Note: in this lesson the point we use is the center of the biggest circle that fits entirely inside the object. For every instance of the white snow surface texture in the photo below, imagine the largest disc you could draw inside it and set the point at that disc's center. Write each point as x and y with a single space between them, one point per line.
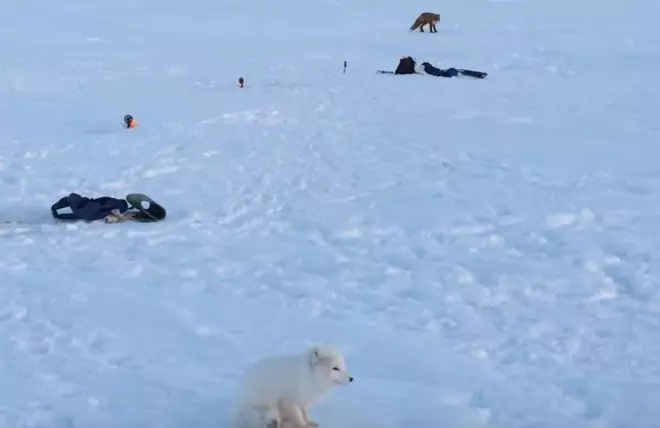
485 252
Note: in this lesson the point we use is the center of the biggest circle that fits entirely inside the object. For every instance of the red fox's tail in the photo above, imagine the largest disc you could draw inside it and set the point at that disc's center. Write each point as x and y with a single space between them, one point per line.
416 24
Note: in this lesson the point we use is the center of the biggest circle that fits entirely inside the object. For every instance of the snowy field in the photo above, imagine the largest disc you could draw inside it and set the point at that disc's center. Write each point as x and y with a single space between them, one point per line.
485 252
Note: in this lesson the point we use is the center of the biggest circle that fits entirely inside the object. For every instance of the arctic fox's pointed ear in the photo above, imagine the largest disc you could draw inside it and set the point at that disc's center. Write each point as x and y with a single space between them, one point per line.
314 355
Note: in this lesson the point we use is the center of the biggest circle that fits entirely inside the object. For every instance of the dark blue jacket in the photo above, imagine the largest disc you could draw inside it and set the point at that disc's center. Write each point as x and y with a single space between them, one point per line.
87 208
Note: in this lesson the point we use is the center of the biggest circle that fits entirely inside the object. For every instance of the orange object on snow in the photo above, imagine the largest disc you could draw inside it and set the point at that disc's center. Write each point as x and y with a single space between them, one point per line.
130 121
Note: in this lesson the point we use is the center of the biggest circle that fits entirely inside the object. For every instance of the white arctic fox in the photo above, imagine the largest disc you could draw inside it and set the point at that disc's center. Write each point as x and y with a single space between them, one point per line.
277 391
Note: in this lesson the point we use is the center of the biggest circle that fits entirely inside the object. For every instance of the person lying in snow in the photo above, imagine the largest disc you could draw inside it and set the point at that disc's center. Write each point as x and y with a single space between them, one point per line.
407 65
112 210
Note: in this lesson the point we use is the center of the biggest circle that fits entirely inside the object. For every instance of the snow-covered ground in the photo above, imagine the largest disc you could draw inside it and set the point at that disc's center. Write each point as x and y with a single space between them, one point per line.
486 252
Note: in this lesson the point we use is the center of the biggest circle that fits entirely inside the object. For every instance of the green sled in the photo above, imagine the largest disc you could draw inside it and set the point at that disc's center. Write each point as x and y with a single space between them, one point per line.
154 212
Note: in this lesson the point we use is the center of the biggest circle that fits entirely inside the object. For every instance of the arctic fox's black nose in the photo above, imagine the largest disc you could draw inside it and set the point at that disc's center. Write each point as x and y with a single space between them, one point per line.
350 379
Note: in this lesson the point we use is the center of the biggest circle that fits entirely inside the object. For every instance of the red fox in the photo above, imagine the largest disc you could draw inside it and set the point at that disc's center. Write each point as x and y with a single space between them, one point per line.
426 18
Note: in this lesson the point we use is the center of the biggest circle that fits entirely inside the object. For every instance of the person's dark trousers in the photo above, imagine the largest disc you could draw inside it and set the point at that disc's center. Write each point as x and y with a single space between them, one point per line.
435 71
451 71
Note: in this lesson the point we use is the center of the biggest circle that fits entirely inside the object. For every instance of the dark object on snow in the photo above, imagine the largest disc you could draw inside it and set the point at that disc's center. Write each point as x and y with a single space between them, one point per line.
112 210
152 212
88 209
435 71
130 121
407 66
473 73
